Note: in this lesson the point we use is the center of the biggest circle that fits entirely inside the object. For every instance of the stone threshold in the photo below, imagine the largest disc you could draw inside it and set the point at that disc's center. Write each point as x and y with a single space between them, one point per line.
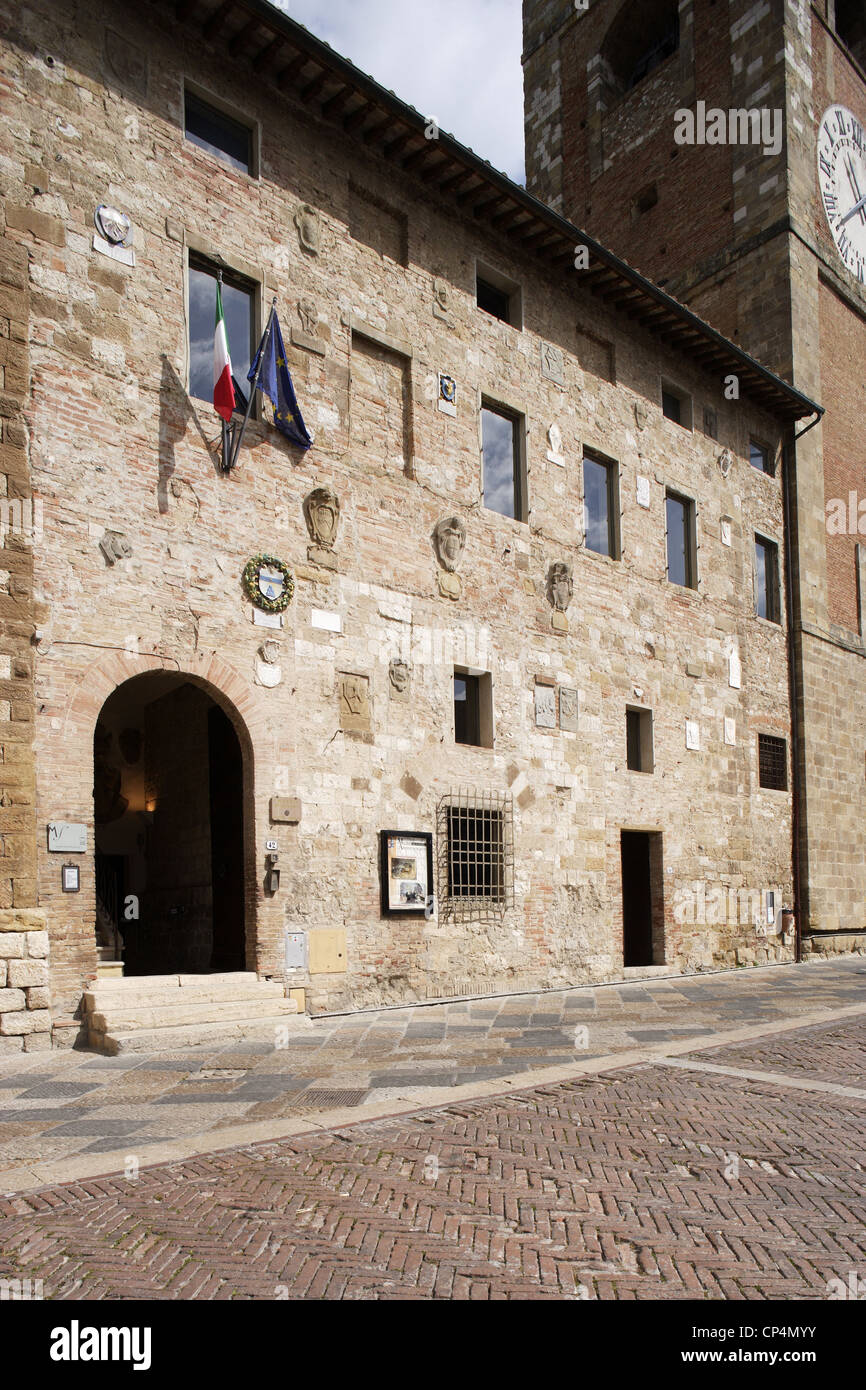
20 1179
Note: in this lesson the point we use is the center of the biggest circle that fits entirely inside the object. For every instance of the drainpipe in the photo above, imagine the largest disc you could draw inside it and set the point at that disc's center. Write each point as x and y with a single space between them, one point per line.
788 470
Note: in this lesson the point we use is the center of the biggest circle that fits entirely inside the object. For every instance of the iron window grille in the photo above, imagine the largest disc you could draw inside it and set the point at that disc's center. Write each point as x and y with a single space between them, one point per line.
475 855
772 763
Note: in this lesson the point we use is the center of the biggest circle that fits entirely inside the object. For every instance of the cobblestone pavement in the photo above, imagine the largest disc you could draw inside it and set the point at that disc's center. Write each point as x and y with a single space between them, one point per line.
56 1106
649 1182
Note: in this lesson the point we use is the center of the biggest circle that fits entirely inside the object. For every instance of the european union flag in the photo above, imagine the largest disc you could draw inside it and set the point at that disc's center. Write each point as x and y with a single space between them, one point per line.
275 381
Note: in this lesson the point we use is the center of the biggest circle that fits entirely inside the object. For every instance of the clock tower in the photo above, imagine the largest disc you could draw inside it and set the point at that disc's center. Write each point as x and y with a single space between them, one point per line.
718 146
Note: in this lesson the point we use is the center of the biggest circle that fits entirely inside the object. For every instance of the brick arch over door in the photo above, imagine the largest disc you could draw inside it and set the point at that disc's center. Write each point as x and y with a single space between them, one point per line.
244 707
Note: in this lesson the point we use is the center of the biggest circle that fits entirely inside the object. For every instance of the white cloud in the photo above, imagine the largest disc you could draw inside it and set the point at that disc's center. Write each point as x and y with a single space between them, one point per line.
455 61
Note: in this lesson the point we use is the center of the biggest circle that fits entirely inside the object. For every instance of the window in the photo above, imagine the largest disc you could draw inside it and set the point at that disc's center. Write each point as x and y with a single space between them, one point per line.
473 708
772 763
760 457
676 406
637 42
851 27
238 297
767 580
599 507
475 855
639 740
497 295
217 133
682 558
502 469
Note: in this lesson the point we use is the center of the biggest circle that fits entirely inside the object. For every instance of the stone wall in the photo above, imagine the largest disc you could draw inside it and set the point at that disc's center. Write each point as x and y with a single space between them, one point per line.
116 443
25 999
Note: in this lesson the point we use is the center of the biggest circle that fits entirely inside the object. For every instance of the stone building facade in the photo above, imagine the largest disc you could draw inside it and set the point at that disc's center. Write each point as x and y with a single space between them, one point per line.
167 731
742 233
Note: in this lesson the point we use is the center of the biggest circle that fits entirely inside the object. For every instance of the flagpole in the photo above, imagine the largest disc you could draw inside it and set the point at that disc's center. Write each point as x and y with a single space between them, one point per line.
236 446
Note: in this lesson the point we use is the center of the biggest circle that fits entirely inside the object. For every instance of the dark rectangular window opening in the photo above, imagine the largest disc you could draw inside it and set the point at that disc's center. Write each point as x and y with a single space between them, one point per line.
639 740
772 763
601 532
682 557
502 471
218 133
473 709
672 407
767 580
760 457
493 301
238 296
476 853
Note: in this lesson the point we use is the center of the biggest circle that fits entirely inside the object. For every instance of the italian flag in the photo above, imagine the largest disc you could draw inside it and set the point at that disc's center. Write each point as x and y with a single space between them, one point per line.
223 391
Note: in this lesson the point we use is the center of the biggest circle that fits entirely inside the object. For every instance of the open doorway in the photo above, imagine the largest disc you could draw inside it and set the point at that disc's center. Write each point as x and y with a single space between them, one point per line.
642 898
169 830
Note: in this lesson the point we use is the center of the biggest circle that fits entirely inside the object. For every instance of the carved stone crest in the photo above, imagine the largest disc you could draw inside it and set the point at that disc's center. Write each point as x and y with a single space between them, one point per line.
440 300
640 414
554 439
268 671
355 712
725 462
560 586
449 539
115 546
308 314
399 676
307 223
552 363
568 710
322 515
112 225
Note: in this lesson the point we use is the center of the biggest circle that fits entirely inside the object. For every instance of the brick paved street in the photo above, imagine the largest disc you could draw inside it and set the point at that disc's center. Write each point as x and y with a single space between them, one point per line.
653 1182
62 1107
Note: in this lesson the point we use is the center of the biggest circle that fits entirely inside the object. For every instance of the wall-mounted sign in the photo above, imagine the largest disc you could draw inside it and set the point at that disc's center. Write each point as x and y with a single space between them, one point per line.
269 583
406 872
70 878
65 837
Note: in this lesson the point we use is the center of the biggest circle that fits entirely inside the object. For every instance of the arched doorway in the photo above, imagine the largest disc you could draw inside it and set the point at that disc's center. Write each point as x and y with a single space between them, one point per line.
168 794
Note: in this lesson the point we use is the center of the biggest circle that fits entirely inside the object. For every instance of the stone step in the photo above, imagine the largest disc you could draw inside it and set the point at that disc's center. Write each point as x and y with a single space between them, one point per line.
113 1043
647 972
99 999
146 983
121 1019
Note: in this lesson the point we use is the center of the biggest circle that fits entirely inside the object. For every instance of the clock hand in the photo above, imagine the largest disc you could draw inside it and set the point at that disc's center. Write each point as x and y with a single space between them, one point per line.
858 207
852 179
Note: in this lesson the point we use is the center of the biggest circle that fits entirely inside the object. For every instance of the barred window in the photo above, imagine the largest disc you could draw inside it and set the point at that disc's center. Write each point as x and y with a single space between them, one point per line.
475 855
772 763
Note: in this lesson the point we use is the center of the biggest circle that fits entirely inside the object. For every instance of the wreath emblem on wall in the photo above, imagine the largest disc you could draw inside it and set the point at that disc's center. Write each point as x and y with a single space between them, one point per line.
269 583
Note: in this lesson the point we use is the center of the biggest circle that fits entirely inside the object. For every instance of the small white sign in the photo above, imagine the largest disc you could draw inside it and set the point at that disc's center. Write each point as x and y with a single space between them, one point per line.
735 670
643 492
124 254
263 619
726 531
693 734
328 622
730 731
65 837
270 844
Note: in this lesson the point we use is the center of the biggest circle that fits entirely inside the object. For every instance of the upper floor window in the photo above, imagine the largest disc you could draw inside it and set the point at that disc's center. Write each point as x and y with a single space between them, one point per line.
497 295
638 41
682 554
760 457
503 488
599 507
676 405
218 133
767 580
238 297
851 26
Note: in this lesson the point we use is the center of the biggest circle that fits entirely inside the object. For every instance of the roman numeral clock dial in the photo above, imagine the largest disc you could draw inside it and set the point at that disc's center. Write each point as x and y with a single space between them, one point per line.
842 183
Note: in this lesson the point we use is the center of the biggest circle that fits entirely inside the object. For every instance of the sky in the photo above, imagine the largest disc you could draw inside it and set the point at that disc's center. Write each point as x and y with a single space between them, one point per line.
457 61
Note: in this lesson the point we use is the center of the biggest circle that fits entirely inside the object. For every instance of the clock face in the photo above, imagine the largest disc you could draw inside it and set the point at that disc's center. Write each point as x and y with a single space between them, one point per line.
842 181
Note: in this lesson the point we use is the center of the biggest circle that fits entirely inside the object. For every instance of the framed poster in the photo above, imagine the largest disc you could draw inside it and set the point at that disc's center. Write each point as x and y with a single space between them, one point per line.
406 872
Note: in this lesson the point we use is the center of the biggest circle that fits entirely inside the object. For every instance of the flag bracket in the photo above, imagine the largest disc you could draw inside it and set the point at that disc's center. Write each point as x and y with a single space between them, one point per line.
233 434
